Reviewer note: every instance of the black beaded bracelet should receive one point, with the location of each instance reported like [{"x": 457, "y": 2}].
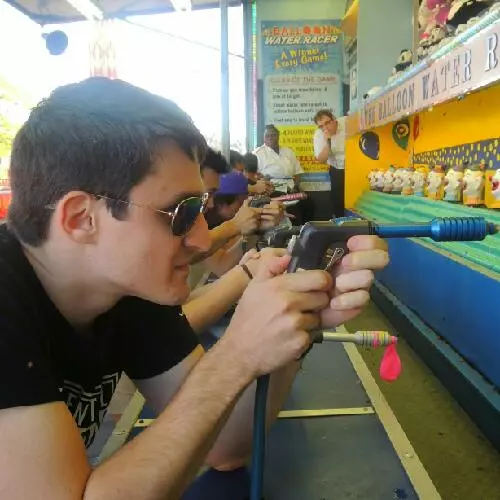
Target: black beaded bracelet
[{"x": 247, "y": 271}]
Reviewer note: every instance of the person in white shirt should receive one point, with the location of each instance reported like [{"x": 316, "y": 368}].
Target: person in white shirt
[
  {"x": 329, "y": 148},
  {"x": 278, "y": 163}
]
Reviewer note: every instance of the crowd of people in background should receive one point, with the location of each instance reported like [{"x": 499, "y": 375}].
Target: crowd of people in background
[{"x": 273, "y": 170}]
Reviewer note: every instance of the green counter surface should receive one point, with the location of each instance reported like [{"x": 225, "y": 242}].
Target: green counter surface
[{"x": 381, "y": 207}]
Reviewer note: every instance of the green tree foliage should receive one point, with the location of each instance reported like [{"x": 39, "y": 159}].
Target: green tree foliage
[
  {"x": 7, "y": 133},
  {"x": 13, "y": 108}
]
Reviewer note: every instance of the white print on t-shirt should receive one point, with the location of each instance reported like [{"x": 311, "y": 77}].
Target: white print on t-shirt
[{"x": 88, "y": 408}]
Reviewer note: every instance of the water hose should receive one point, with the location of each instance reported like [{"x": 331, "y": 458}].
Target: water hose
[{"x": 364, "y": 338}]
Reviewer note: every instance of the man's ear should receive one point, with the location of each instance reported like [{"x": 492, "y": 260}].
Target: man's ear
[{"x": 76, "y": 216}]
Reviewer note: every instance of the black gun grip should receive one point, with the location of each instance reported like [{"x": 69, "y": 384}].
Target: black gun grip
[
  {"x": 259, "y": 201},
  {"x": 323, "y": 243},
  {"x": 310, "y": 247}
]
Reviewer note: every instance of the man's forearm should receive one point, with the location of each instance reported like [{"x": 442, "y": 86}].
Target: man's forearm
[
  {"x": 206, "y": 310},
  {"x": 199, "y": 291},
  {"x": 163, "y": 459},
  {"x": 218, "y": 265},
  {"x": 234, "y": 444},
  {"x": 324, "y": 153},
  {"x": 225, "y": 258},
  {"x": 219, "y": 236}
]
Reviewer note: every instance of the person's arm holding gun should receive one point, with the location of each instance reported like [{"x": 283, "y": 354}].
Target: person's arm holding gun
[
  {"x": 225, "y": 259},
  {"x": 272, "y": 215},
  {"x": 210, "y": 303}
]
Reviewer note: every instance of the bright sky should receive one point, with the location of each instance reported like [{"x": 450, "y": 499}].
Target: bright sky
[{"x": 184, "y": 72}]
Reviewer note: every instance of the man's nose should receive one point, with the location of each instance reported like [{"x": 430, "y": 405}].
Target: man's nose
[{"x": 198, "y": 237}]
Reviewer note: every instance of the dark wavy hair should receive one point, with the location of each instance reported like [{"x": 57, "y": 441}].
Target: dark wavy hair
[
  {"x": 216, "y": 161},
  {"x": 100, "y": 136}
]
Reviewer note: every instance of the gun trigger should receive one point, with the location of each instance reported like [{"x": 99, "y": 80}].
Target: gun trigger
[{"x": 334, "y": 257}]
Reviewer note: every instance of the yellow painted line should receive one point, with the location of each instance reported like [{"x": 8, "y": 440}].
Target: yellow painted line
[
  {"x": 422, "y": 483},
  {"x": 327, "y": 412}
]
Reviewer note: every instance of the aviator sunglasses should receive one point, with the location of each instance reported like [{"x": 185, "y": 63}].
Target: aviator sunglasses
[
  {"x": 183, "y": 216},
  {"x": 180, "y": 219}
]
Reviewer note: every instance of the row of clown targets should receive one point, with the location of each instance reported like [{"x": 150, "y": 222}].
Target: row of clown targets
[{"x": 471, "y": 184}]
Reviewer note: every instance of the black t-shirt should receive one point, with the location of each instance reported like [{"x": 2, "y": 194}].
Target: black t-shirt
[{"x": 43, "y": 359}]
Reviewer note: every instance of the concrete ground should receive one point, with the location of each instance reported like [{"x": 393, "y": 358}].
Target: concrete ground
[{"x": 460, "y": 461}]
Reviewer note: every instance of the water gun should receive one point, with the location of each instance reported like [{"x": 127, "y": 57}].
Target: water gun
[
  {"x": 261, "y": 201},
  {"x": 322, "y": 245}
]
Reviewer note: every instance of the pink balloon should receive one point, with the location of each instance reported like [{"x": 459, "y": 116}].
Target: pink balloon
[
  {"x": 390, "y": 367},
  {"x": 432, "y": 4},
  {"x": 438, "y": 10}
]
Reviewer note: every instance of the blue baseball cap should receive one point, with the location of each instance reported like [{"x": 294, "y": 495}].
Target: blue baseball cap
[{"x": 233, "y": 183}]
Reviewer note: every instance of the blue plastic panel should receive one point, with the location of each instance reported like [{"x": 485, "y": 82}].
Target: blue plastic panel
[
  {"x": 457, "y": 302},
  {"x": 456, "y": 290}
]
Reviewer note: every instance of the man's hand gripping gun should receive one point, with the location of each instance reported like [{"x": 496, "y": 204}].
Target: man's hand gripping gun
[{"x": 322, "y": 245}]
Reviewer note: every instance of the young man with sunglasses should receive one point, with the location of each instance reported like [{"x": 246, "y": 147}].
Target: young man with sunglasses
[{"x": 104, "y": 221}]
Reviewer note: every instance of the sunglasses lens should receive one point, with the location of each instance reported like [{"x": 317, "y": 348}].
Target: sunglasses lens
[{"x": 187, "y": 213}]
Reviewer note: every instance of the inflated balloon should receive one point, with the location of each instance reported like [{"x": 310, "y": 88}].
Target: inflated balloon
[
  {"x": 56, "y": 42},
  {"x": 369, "y": 144},
  {"x": 401, "y": 133},
  {"x": 390, "y": 368}
]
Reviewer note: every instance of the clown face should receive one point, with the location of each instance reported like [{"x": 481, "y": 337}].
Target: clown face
[
  {"x": 473, "y": 183},
  {"x": 418, "y": 181},
  {"x": 397, "y": 185},
  {"x": 406, "y": 179},
  {"x": 434, "y": 182},
  {"x": 379, "y": 180},
  {"x": 495, "y": 185},
  {"x": 453, "y": 185},
  {"x": 388, "y": 181},
  {"x": 372, "y": 180}
]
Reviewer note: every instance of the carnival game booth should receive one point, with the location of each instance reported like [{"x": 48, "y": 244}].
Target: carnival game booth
[
  {"x": 428, "y": 145},
  {"x": 443, "y": 314}
]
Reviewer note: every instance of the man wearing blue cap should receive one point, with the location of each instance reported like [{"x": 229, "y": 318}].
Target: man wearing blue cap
[{"x": 231, "y": 195}]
